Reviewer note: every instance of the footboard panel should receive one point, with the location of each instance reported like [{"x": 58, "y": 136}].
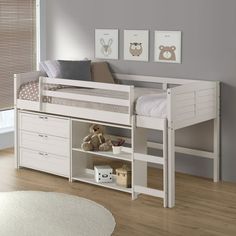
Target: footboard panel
[{"x": 192, "y": 103}]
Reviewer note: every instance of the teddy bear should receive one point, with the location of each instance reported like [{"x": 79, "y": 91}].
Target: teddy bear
[{"x": 96, "y": 141}]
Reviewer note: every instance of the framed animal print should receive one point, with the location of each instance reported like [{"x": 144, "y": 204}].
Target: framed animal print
[
  {"x": 106, "y": 43},
  {"x": 167, "y": 46},
  {"x": 136, "y": 45}
]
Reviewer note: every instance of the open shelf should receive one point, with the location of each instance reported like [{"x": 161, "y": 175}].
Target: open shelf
[
  {"x": 89, "y": 178},
  {"x": 125, "y": 156}
]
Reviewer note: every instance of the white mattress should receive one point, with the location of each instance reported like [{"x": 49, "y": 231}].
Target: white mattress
[{"x": 153, "y": 105}]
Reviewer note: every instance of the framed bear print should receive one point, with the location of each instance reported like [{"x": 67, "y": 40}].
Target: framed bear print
[
  {"x": 106, "y": 43},
  {"x": 167, "y": 46},
  {"x": 136, "y": 45}
]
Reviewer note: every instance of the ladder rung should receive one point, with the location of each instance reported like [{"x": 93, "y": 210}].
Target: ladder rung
[
  {"x": 149, "y": 158},
  {"x": 149, "y": 191}
]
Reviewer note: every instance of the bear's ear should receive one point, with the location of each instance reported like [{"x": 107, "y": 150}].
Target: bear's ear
[
  {"x": 161, "y": 47},
  {"x": 173, "y": 48},
  {"x": 91, "y": 128}
]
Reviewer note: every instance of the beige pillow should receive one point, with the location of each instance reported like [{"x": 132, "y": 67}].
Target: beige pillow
[{"x": 100, "y": 72}]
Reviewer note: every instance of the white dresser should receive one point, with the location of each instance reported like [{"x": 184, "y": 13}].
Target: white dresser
[{"x": 44, "y": 143}]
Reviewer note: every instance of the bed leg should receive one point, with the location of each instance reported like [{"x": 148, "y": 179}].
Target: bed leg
[
  {"x": 16, "y": 152},
  {"x": 171, "y": 167},
  {"x": 165, "y": 166},
  {"x": 216, "y": 161}
]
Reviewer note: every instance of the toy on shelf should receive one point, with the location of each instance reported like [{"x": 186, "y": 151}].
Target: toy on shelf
[
  {"x": 117, "y": 145},
  {"x": 96, "y": 140},
  {"x": 103, "y": 174},
  {"x": 123, "y": 176}
]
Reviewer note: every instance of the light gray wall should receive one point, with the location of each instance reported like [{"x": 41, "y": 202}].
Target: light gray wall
[{"x": 209, "y": 52}]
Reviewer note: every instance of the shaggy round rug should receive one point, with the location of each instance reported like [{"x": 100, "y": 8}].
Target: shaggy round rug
[{"x": 30, "y": 213}]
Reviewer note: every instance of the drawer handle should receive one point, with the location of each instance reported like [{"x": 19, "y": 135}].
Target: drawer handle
[
  {"x": 43, "y": 136},
  {"x": 43, "y": 117},
  {"x": 43, "y": 154}
]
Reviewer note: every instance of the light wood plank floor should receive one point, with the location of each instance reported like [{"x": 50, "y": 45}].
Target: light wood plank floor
[{"x": 202, "y": 207}]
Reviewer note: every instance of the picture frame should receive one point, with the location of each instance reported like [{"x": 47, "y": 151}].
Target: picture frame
[
  {"x": 167, "y": 46},
  {"x": 136, "y": 45},
  {"x": 106, "y": 43}
]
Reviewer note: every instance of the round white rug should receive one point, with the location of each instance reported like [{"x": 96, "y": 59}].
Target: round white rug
[{"x": 30, "y": 213}]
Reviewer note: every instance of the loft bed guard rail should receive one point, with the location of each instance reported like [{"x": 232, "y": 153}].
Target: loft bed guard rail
[{"x": 125, "y": 99}]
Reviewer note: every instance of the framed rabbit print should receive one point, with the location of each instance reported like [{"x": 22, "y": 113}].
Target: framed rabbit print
[
  {"x": 106, "y": 43},
  {"x": 136, "y": 46}
]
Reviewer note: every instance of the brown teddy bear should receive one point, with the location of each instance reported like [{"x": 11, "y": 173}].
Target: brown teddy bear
[{"x": 96, "y": 141}]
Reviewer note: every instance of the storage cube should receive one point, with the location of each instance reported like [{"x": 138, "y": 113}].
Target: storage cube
[
  {"x": 103, "y": 174},
  {"x": 123, "y": 176}
]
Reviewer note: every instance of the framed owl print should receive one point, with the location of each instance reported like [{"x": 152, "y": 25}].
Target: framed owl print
[
  {"x": 136, "y": 45},
  {"x": 106, "y": 43},
  {"x": 167, "y": 46}
]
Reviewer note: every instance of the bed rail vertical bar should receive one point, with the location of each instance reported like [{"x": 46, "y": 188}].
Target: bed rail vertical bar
[
  {"x": 131, "y": 104},
  {"x": 216, "y": 161},
  {"x": 171, "y": 150}
]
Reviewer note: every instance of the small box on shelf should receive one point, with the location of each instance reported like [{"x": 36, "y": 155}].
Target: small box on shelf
[
  {"x": 103, "y": 174},
  {"x": 123, "y": 176}
]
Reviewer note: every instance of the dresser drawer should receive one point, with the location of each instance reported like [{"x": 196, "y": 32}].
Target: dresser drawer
[
  {"x": 45, "y": 143},
  {"x": 45, "y": 124},
  {"x": 45, "y": 162}
]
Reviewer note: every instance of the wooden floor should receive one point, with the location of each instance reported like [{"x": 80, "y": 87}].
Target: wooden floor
[{"x": 202, "y": 207}]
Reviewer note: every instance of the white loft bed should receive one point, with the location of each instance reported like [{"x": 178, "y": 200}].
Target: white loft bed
[{"x": 189, "y": 102}]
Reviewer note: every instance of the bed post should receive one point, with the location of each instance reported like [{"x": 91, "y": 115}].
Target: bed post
[
  {"x": 16, "y": 85},
  {"x": 40, "y": 93},
  {"x": 171, "y": 152},
  {"x": 216, "y": 161}
]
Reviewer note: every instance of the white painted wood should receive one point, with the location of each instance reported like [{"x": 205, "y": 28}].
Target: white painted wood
[
  {"x": 216, "y": 141},
  {"x": 44, "y": 124},
  {"x": 131, "y": 103},
  {"x": 171, "y": 151},
  {"x": 40, "y": 93},
  {"x": 71, "y": 151},
  {"x": 178, "y": 149},
  {"x": 87, "y": 98},
  {"x": 122, "y": 156},
  {"x": 26, "y": 77},
  {"x": 171, "y": 167},
  {"x": 153, "y": 79},
  {"x": 127, "y": 127},
  {"x": 47, "y": 162},
  {"x": 185, "y": 123},
  {"x": 28, "y": 105},
  {"x": 149, "y": 158},
  {"x": 89, "y": 178},
  {"x": 189, "y": 103},
  {"x": 44, "y": 143},
  {"x": 86, "y": 113},
  {"x": 139, "y": 169},
  {"x": 16, "y": 138},
  {"x": 165, "y": 164},
  {"x": 149, "y": 191},
  {"x": 150, "y": 122},
  {"x": 87, "y": 84}
]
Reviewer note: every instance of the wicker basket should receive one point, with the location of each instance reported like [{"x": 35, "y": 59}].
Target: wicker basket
[{"x": 123, "y": 176}]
